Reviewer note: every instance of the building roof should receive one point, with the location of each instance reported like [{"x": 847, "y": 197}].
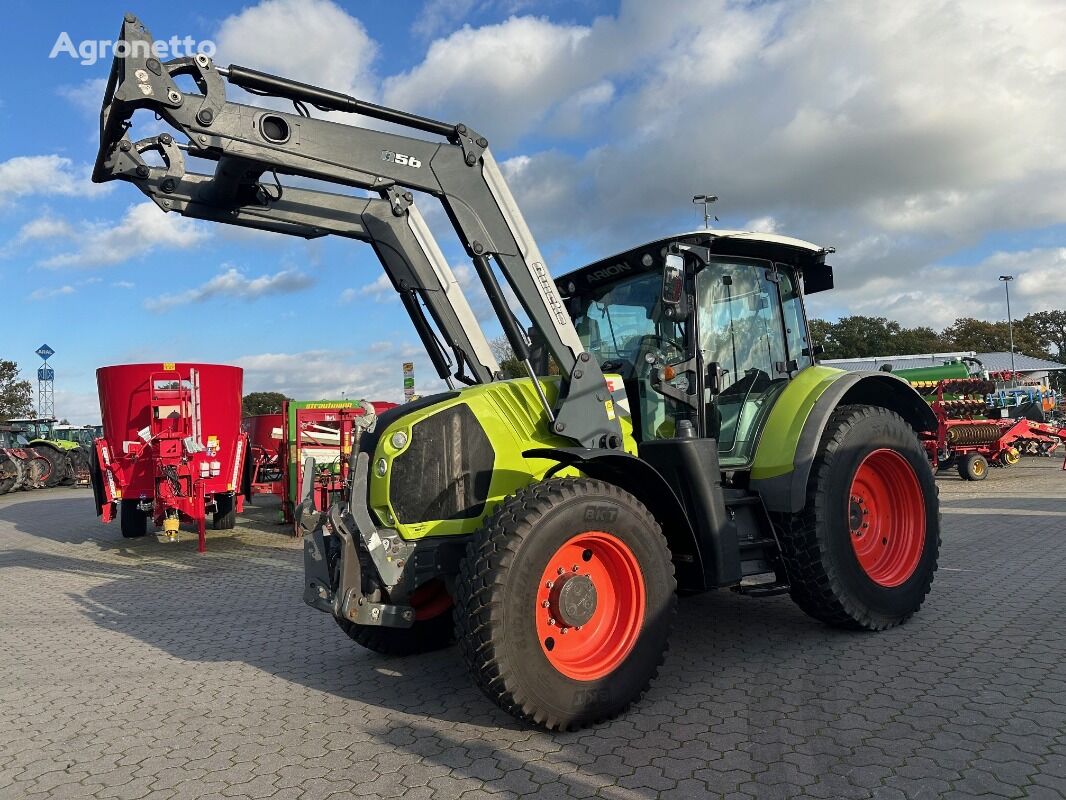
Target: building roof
[{"x": 993, "y": 362}]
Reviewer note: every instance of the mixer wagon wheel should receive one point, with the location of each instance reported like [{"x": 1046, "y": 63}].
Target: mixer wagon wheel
[
  {"x": 225, "y": 516},
  {"x": 863, "y": 551},
  {"x": 133, "y": 521},
  {"x": 973, "y": 467}
]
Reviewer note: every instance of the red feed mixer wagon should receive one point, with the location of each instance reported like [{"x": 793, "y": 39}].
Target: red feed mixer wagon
[
  {"x": 173, "y": 448},
  {"x": 265, "y": 470}
]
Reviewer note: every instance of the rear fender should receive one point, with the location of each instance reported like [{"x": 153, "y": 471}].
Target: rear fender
[
  {"x": 790, "y": 440},
  {"x": 644, "y": 482}
]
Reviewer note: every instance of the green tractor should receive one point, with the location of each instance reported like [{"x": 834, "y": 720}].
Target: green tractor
[
  {"x": 63, "y": 456},
  {"x": 674, "y": 434}
]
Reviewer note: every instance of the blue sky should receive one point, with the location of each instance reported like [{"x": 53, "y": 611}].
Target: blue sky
[{"x": 923, "y": 140}]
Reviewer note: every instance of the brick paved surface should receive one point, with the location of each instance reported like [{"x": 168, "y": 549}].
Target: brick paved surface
[{"x": 139, "y": 669}]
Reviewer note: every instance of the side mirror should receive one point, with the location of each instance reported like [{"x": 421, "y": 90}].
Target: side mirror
[{"x": 673, "y": 280}]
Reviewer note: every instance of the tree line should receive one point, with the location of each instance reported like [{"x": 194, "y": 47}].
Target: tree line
[{"x": 1041, "y": 334}]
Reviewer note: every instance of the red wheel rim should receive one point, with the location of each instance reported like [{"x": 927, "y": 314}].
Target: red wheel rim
[
  {"x": 590, "y": 606},
  {"x": 430, "y": 600},
  {"x": 886, "y": 518}
]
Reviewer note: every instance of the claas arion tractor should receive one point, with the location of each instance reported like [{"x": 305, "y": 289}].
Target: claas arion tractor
[{"x": 684, "y": 439}]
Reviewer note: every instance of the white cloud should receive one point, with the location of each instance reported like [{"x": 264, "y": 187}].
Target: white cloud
[
  {"x": 314, "y": 41},
  {"x": 87, "y": 95},
  {"x": 122, "y": 285},
  {"x": 45, "y": 294},
  {"x": 329, "y": 374},
  {"x": 45, "y": 175},
  {"x": 143, "y": 228},
  {"x": 234, "y": 283},
  {"x": 380, "y": 289},
  {"x": 46, "y": 228},
  {"x": 944, "y": 293},
  {"x": 500, "y": 79}
]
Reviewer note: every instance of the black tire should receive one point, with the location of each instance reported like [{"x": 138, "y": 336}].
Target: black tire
[
  {"x": 499, "y": 581},
  {"x": 424, "y": 636},
  {"x": 973, "y": 467},
  {"x": 225, "y": 516},
  {"x": 132, "y": 520},
  {"x": 826, "y": 578},
  {"x": 58, "y": 464},
  {"x": 69, "y": 467}
]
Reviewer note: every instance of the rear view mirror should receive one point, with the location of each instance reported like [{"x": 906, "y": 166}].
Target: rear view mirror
[{"x": 673, "y": 280}]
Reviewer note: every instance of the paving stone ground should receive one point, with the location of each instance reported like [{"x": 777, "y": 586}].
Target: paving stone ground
[{"x": 141, "y": 669}]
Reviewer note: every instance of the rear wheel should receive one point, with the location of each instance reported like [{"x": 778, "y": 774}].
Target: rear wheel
[
  {"x": 37, "y": 471},
  {"x": 863, "y": 552},
  {"x": 973, "y": 467},
  {"x": 225, "y": 516},
  {"x": 1010, "y": 457},
  {"x": 432, "y": 629},
  {"x": 564, "y": 603},
  {"x": 132, "y": 520},
  {"x": 58, "y": 464}
]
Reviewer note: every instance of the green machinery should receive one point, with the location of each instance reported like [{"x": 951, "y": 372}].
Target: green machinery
[{"x": 687, "y": 439}]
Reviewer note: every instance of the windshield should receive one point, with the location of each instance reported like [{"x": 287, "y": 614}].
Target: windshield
[{"x": 615, "y": 322}]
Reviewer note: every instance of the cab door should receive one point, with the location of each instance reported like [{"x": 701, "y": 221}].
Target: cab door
[{"x": 749, "y": 344}]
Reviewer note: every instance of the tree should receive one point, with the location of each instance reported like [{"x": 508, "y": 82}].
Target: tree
[
  {"x": 967, "y": 333},
  {"x": 510, "y": 366},
  {"x": 262, "y": 403},
  {"x": 866, "y": 337},
  {"x": 1049, "y": 327},
  {"x": 16, "y": 397}
]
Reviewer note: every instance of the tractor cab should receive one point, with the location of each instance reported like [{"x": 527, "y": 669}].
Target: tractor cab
[{"x": 706, "y": 329}]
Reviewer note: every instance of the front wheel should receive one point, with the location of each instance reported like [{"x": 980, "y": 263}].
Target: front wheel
[
  {"x": 564, "y": 603},
  {"x": 863, "y": 552}
]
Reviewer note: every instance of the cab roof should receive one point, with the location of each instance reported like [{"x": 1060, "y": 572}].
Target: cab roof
[{"x": 807, "y": 256}]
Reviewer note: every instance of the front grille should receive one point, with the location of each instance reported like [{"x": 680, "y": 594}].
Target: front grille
[{"x": 445, "y": 471}]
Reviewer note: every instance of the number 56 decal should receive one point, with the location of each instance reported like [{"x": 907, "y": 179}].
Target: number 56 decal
[{"x": 400, "y": 158}]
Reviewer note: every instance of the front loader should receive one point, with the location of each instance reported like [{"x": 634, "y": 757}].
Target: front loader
[{"x": 688, "y": 441}]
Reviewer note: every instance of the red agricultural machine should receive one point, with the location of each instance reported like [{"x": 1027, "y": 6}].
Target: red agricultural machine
[
  {"x": 280, "y": 444},
  {"x": 265, "y": 466},
  {"x": 972, "y": 434},
  {"x": 173, "y": 448},
  {"x": 21, "y": 466}
]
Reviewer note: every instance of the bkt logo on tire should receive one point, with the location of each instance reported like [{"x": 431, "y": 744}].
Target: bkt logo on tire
[{"x": 400, "y": 158}]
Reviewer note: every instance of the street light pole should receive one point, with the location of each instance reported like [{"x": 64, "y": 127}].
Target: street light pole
[
  {"x": 705, "y": 200},
  {"x": 1010, "y": 323}
]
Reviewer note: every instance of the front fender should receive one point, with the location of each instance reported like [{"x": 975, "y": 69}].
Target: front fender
[{"x": 793, "y": 431}]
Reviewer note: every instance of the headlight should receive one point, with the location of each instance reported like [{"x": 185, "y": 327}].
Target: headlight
[
  {"x": 399, "y": 440},
  {"x": 381, "y": 468}
]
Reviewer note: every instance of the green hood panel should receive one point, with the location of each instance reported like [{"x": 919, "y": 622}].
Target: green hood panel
[{"x": 513, "y": 420}]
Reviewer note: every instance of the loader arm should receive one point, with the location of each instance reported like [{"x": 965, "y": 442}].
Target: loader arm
[
  {"x": 393, "y": 226},
  {"x": 247, "y": 142}
]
